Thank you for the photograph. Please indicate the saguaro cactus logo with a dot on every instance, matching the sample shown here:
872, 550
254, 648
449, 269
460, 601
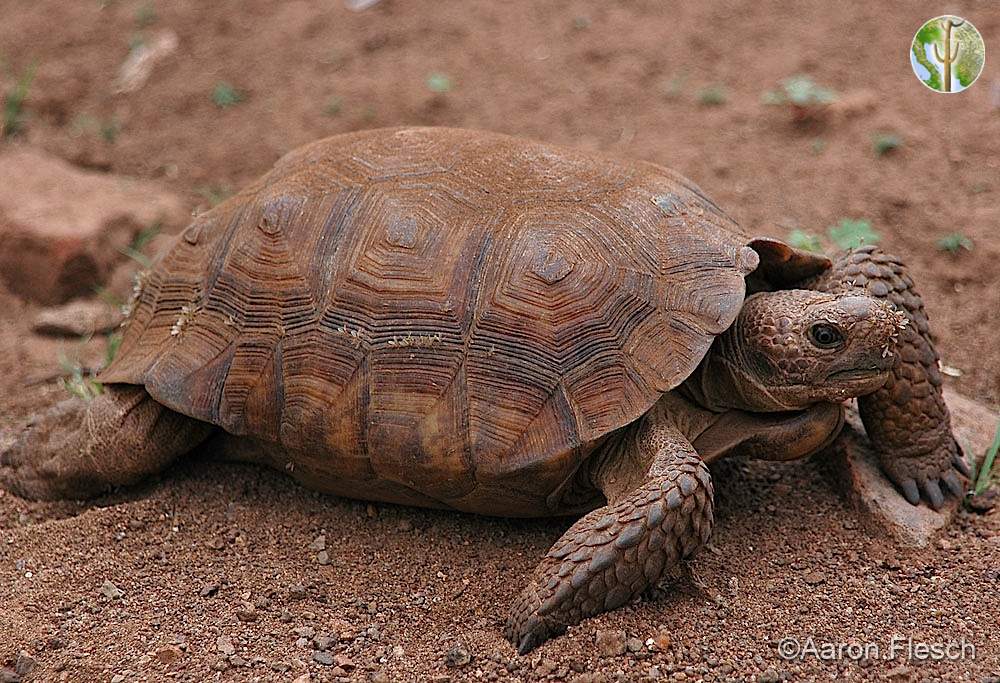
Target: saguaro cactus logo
947, 54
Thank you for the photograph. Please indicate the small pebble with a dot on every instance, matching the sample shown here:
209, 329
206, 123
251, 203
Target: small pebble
610, 642
323, 658
224, 644
458, 656
111, 591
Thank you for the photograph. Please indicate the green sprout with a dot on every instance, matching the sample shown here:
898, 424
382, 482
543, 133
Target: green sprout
800, 91
712, 96
438, 82
800, 239
13, 103
145, 15
135, 249
78, 381
954, 242
851, 234
986, 476
333, 106
225, 95
884, 143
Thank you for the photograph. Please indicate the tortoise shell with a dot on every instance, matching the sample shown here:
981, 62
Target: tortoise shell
441, 308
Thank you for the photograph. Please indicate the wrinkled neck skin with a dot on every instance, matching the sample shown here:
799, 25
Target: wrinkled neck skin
725, 380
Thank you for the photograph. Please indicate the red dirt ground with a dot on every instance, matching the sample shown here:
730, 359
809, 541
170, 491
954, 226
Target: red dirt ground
404, 586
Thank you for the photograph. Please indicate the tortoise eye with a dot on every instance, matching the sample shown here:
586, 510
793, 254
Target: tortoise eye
826, 336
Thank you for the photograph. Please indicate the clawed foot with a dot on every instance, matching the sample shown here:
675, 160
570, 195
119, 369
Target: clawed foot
930, 476
526, 628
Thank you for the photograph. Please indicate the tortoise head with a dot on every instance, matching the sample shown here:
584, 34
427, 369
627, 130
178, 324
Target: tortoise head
791, 349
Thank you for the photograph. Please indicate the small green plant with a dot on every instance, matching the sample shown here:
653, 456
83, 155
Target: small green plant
145, 15
110, 130
954, 243
884, 143
850, 234
225, 95
801, 239
333, 106
109, 297
114, 343
78, 381
135, 249
215, 194
712, 96
13, 103
805, 98
986, 475
438, 83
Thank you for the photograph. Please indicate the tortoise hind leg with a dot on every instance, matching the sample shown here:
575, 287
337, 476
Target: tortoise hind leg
615, 552
78, 449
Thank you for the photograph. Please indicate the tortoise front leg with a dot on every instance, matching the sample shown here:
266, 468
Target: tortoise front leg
615, 552
907, 419
79, 449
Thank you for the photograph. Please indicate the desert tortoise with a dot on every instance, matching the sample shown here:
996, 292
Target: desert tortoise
467, 320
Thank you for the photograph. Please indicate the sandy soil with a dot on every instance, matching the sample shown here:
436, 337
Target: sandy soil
214, 571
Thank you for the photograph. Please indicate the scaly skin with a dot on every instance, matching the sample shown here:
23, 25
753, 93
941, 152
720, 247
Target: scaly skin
907, 419
78, 449
614, 553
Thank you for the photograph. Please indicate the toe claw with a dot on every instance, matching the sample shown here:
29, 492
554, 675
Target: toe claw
953, 484
961, 464
910, 491
933, 492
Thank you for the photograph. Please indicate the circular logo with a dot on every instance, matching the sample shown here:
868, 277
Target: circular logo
947, 54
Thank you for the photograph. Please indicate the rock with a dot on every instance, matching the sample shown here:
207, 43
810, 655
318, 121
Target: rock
209, 590
111, 591
297, 592
304, 631
24, 664
323, 658
344, 662
137, 67
323, 557
9, 676
63, 229
610, 642
169, 654
318, 544
246, 612
323, 642
546, 667
79, 318
633, 645
458, 656
769, 676
881, 508
304, 678
224, 644
814, 578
